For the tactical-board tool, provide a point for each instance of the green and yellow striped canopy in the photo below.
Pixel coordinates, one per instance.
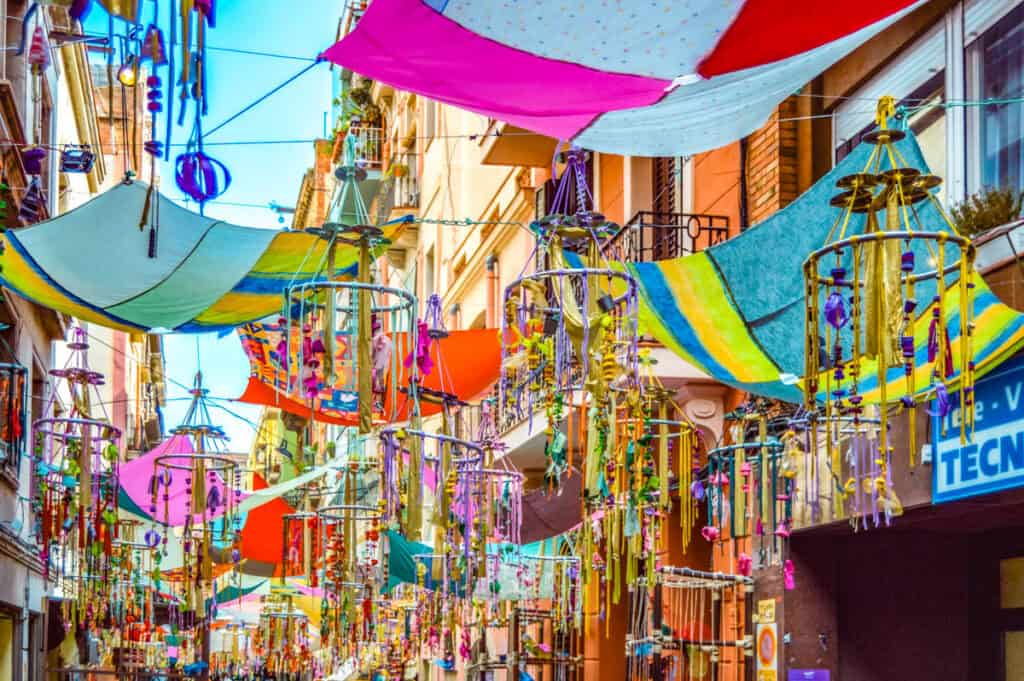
(208, 275)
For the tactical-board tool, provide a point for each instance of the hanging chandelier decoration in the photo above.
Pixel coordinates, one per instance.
(283, 639)
(207, 484)
(569, 330)
(354, 568)
(75, 465)
(874, 298)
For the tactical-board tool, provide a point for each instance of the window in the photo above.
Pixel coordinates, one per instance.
(995, 71)
(546, 196)
(12, 415)
(428, 275)
(970, 147)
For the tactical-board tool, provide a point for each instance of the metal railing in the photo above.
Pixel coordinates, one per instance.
(370, 146)
(651, 236)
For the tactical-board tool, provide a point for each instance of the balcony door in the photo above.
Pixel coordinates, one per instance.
(665, 232)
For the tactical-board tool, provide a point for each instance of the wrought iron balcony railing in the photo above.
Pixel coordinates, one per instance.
(651, 236)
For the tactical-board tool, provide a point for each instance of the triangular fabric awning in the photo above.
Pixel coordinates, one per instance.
(667, 78)
(262, 537)
(94, 264)
(466, 363)
(736, 310)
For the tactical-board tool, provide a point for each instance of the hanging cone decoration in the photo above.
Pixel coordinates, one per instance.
(153, 47)
(32, 202)
(39, 52)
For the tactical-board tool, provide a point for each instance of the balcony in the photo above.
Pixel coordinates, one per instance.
(363, 147)
(651, 236)
(368, 146)
(354, 11)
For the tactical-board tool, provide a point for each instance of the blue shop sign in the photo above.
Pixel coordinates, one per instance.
(994, 459)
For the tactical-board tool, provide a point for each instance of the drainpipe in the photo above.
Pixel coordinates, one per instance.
(492, 291)
(743, 183)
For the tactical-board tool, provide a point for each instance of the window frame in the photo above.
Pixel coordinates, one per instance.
(986, 19)
(962, 26)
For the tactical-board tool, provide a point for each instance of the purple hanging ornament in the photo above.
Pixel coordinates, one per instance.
(32, 158)
(942, 403)
(697, 490)
(196, 174)
(835, 311)
(421, 355)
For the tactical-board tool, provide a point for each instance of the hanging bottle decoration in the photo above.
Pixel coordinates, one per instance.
(39, 51)
(153, 47)
(32, 202)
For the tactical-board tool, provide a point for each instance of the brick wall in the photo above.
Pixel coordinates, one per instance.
(772, 164)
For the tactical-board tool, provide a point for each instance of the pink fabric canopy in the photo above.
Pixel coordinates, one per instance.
(671, 77)
(138, 476)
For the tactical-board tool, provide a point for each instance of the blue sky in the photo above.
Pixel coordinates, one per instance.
(261, 173)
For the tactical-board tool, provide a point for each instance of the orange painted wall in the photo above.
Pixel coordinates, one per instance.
(716, 184)
(612, 188)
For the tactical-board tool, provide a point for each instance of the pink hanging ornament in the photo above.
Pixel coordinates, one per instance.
(39, 52)
(789, 575)
(745, 564)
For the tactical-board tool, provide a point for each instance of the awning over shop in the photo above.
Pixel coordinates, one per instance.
(669, 78)
(94, 263)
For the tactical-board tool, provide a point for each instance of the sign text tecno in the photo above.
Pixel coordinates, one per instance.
(994, 458)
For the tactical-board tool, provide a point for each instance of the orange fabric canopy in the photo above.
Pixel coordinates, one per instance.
(466, 364)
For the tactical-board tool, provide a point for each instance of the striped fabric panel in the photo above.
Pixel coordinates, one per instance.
(22, 275)
(290, 257)
(684, 304)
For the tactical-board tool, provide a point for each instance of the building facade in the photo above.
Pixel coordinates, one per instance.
(938, 594)
(52, 160)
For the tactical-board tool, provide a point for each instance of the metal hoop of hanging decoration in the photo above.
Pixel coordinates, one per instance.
(338, 339)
